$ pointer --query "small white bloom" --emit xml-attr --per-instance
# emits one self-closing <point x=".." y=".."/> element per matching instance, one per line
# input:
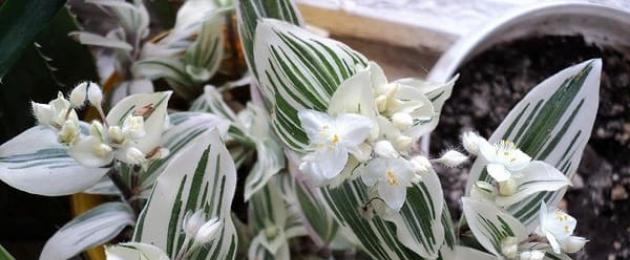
<point x="452" y="158"/>
<point x="558" y="228"/>
<point x="79" y="94"/>
<point x="403" y="142"/>
<point x="69" y="132"/>
<point x="402" y="120"/>
<point x="192" y="222"/>
<point x="532" y="255"/>
<point x="391" y="176"/>
<point x="134" y="156"/>
<point x="133" y="127"/>
<point x="208" y="231"/>
<point x="503" y="159"/>
<point x="509" y="247"/>
<point x="420" y="164"/>
<point x="385" y="149"/>
<point x="471" y="141"/>
<point x="332" y="139"/>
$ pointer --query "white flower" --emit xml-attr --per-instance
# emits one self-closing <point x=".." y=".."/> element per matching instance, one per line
<point x="55" y="113"/>
<point x="134" y="156"/>
<point x="532" y="255"/>
<point x="332" y="139"/>
<point x="208" y="231"/>
<point x="133" y="127"/>
<point x="391" y="176"/>
<point x="509" y="247"/>
<point x="558" y="228"/>
<point x="452" y="158"/>
<point x="471" y="141"/>
<point x="385" y="149"/>
<point x="503" y="159"/>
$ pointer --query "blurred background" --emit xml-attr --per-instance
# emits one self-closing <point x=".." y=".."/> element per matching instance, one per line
<point x="500" y="49"/>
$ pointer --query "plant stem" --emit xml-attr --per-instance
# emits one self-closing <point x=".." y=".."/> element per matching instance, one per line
<point x="120" y="184"/>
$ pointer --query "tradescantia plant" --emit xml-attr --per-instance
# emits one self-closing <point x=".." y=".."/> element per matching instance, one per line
<point x="327" y="148"/>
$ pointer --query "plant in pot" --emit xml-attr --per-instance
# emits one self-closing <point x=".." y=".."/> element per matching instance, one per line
<point x="328" y="150"/>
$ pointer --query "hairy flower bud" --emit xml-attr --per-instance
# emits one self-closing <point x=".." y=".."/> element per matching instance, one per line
<point x="532" y="255"/>
<point x="208" y="231"/>
<point x="470" y="140"/>
<point x="452" y="158"/>
<point x="79" y="94"/>
<point x="94" y="94"/>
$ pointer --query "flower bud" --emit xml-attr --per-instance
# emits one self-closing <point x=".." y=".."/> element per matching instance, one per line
<point x="208" y="231"/>
<point x="452" y="158"/>
<point x="420" y="164"/>
<point x="115" y="134"/>
<point x="68" y="133"/>
<point x="385" y="149"/>
<point x="134" y="156"/>
<point x="271" y="232"/>
<point x="79" y="94"/>
<point x="470" y="141"/>
<point x="381" y="103"/>
<point x="133" y="127"/>
<point x="157" y="153"/>
<point x="102" y="150"/>
<point x="96" y="129"/>
<point x="574" y="244"/>
<point x="509" y="247"/>
<point x="193" y="222"/>
<point x="94" y="94"/>
<point x="507" y="187"/>
<point x="403" y="142"/>
<point x="532" y="255"/>
<point x="402" y="120"/>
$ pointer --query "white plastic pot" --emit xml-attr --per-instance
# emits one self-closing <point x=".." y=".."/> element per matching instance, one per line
<point x="601" y="25"/>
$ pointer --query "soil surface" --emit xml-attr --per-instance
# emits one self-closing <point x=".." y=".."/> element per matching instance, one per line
<point x="491" y="83"/>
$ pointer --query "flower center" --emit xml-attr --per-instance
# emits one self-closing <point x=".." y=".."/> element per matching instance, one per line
<point x="505" y="149"/>
<point x="392" y="179"/>
<point x="334" y="139"/>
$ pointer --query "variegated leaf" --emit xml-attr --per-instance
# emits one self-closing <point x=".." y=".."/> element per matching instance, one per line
<point x="490" y="225"/>
<point x="90" y="229"/>
<point x="299" y="70"/>
<point x="250" y="12"/>
<point x="154" y="122"/>
<point x="135" y="251"/>
<point x="200" y="177"/>
<point x="205" y="54"/>
<point x="415" y="232"/>
<point x="318" y="219"/>
<point x="551" y="124"/>
<point x="36" y="162"/>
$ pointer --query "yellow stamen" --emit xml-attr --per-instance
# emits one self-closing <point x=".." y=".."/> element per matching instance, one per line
<point x="392" y="179"/>
<point x="335" y="139"/>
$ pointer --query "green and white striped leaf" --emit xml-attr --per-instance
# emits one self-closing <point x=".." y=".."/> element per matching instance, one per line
<point x="272" y="221"/>
<point x="186" y="127"/>
<point x="299" y="70"/>
<point x="154" y="123"/>
<point x="415" y="232"/>
<point x="4" y="254"/>
<point x="250" y="12"/>
<point x="552" y="124"/>
<point x="468" y="253"/>
<point x="200" y="177"/>
<point x="135" y="251"/>
<point x="320" y="221"/>
<point x="205" y="54"/>
<point x="35" y="162"/>
<point x="171" y="69"/>
<point x="490" y="225"/>
<point x="93" y="228"/>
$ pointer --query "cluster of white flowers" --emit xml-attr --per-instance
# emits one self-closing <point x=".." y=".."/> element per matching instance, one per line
<point x="372" y="138"/>
<point x="96" y="144"/>
<point x="515" y="176"/>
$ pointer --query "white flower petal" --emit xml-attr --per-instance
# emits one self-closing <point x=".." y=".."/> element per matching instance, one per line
<point x="327" y="163"/>
<point x="553" y="242"/>
<point x="393" y="195"/>
<point x="574" y="244"/>
<point x="312" y="122"/>
<point x="520" y="161"/>
<point x="373" y="172"/>
<point x="536" y="177"/>
<point x="498" y="172"/>
<point x="353" y="129"/>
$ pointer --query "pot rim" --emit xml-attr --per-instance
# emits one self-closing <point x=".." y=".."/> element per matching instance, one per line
<point x="473" y="43"/>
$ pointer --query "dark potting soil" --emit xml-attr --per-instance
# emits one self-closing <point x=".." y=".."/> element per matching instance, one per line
<point x="491" y="83"/>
